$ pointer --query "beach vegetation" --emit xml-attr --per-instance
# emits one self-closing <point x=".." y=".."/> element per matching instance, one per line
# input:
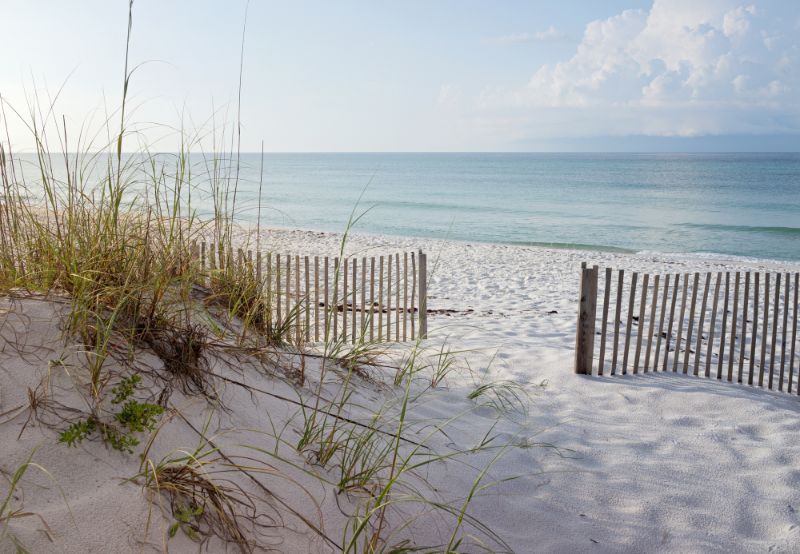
<point x="114" y="234"/>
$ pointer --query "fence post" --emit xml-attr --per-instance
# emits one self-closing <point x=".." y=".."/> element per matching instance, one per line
<point x="587" y="312"/>
<point x="423" y="295"/>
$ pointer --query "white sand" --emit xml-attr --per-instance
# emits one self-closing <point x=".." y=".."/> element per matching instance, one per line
<point x="642" y="463"/>
<point x="659" y="462"/>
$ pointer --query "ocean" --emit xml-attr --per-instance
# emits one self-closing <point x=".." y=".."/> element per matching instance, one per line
<point x="706" y="204"/>
<point x="731" y="205"/>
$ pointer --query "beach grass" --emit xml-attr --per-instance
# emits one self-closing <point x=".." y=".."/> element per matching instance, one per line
<point x="115" y="240"/>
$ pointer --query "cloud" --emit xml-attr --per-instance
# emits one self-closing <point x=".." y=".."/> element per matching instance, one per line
<point x="681" y="68"/>
<point x="449" y="94"/>
<point x="551" y="34"/>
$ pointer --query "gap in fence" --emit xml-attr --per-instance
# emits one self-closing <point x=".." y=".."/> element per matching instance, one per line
<point x="736" y="326"/>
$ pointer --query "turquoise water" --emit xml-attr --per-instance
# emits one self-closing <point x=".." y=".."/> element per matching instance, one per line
<point x="729" y="204"/>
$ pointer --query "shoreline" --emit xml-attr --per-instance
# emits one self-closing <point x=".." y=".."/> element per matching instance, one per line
<point x="591" y="251"/>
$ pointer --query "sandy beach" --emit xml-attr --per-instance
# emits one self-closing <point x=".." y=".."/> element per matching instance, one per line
<point x="187" y="366"/>
<point x="657" y="462"/>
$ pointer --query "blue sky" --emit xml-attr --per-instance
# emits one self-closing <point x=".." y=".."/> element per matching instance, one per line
<point x="424" y="75"/>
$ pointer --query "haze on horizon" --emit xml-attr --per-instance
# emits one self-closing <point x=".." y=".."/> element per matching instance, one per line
<point x="621" y="75"/>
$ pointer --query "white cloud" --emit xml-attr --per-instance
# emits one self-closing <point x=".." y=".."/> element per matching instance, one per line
<point x="551" y="34"/>
<point x="736" y="22"/>
<point x="681" y="68"/>
<point x="449" y="94"/>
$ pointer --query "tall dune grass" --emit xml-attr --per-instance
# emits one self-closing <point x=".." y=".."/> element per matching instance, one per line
<point x="113" y="226"/>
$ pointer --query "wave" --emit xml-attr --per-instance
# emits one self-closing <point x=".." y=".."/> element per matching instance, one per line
<point x="771" y="230"/>
<point x="718" y="256"/>
<point x="571" y="246"/>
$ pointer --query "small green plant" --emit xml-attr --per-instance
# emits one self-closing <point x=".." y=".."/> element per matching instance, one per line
<point x="445" y="363"/>
<point x="202" y="504"/>
<point x="186" y="517"/>
<point x="503" y="396"/>
<point x="78" y="431"/>
<point x="125" y="389"/>
<point x="138" y="417"/>
<point x="134" y="417"/>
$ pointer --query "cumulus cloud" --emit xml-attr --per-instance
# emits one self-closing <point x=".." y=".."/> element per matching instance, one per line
<point x="681" y="68"/>
<point x="551" y="34"/>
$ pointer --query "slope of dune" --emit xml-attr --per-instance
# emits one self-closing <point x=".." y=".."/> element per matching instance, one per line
<point x="652" y="462"/>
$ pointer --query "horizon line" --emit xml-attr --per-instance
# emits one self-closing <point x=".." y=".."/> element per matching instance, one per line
<point x="258" y="152"/>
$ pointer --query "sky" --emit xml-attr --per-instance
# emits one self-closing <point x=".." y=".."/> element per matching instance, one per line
<point x="419" y="76"/>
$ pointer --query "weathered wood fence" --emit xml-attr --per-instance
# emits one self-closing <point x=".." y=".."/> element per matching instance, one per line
<point x="350" y="299"/>
<point x="734" y="326"/>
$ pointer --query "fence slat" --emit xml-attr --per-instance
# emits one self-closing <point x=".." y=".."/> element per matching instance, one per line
<point x="640" y="327"/>
<point x="414" y="315"/>
<point x="334" y="308"/>
<point x="397" y="299"/>
<point x="270" y="301"/>
<point x="259" y="273"/>
<point x="316" y="298"/>
<point x="722" y="335"/>
<point x="372" y="298"/>
<point x="775" y="312"/>
<point x="423" y="295"/>
<point x="755" y="329"/>
<point x="363" y="330"/>
<point x="307" y="299"/>
<point x="783" y="331"/>
<point x="628" y="329"/>
<point x="698" y="347"/>
<point x="298" y="298"/>
<point x="652" y="322"/>
<point x="278" y="288"/>
<point x="203" y="263"/>
<point x="405" y="296"/>
<point x="713" y="324"/>
<point x="345" y="297"/>
<point x="682" y="315"/>
<point x="732" y="350"/>
<point x="584" y="339"/>
<point x="675" y="286"/>
<point x="764" y="331"/>
<point x="380" y="298"/>
<point x="617" y="315"/>
<point x="794" y="334"/>
<point x="389" y="298"/>
<point x="355" y="301"/>
<point x="690" y="326"/>
<point x="604" y="324"/>
<point x="743" y="338"/>
<point x="290" y="316"/>
<point x="661" y="318"/>
<point x="326" y="310"/>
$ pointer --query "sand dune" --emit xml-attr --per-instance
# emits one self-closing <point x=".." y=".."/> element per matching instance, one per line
<point x="646" y="463"/>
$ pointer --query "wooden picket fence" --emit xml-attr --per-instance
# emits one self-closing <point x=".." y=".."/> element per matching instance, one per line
<point x="736" y="326"/>
<point x="381" y="298"/>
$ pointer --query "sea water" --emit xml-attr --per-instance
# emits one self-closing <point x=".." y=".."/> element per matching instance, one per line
<point x="702" y="204"/>
<point x="727" y="204"/>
